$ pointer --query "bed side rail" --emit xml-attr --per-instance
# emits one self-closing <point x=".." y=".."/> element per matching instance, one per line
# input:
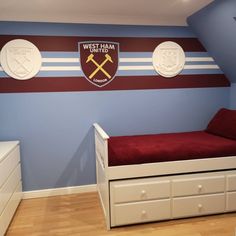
<point x="101" y="145"/>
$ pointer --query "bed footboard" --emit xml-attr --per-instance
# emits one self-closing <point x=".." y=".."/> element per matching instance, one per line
<point x="101" y="151"/>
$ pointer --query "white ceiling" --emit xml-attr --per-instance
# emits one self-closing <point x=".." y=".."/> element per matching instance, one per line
<point x="132" y="12"/>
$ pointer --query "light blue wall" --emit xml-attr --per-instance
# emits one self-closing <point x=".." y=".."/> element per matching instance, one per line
<point x="55" y="129"/>
<point x="215" y="27"/>
<point x="233" y="96"/>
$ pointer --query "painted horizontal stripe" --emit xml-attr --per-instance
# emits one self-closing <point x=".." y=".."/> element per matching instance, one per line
<point x="125" y="55"/>
<point x="60" y="68"/>
<point x="133" y="73"/>
<point x="152" y="68"/>
<point x="154" y="73"/>
<point x="138" y="54"/>
<point x="130" y="59"/>
<point x="57" y="54"/>
<point x="130" y="63"/>
<point x="63" y="84"/>
<point x="135" y="63"/>
<point x="200" y="63"/>
<point x="75" y="63"/>
<point x="135" y="54"/>
<point x="136" y="67"/>
<point x="60" y="64"/>
<point x="133" y="67"/>
<point x="201" y="72"/>
<point x="70" y="44"/>
<point x="56" y="74"/>
<point x="146" y="59"/>
<point x="196" y="67"/>
<point x="135" y="59"/>
<point x="68" y="60"/>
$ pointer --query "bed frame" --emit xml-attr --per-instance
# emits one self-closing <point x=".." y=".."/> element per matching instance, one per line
<point x="154" y="191"/>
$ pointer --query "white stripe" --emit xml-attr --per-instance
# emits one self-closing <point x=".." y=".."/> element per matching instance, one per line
<point x="60" y="59"/>
<point x="60" y="68"/>
<point x="78" y="68"/>
<point x="135" y="59"/>
<point x="124" y="59"/>
<point x="194" y="67"/>
<point x="150" y="59"/>
<point x="136" y="68"/>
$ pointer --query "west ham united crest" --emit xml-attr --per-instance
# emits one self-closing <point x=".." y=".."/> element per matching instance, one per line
<point x="99" y="61"/>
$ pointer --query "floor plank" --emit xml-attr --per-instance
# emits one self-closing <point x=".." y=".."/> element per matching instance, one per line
<point x="81" y="215"/>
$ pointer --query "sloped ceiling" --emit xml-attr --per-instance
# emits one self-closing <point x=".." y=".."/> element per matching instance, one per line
<point x="215" y="26"/>
<point x="133" y="12"/>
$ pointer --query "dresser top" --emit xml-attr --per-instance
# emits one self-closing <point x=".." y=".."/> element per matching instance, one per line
<point x="6" y="147"/>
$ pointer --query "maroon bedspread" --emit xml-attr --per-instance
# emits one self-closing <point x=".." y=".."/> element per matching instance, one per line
<point x="127" y="150"/>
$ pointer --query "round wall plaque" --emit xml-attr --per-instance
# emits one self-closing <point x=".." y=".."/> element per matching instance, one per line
<point x="168" y="59"/>
<point x="20" y="59"/>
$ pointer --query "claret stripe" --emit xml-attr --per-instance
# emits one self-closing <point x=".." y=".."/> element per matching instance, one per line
<point x="70" y="44"/>
<point x="63" y="84"/>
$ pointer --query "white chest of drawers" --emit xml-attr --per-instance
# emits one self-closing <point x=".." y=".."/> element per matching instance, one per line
<point x="10" y="182"/>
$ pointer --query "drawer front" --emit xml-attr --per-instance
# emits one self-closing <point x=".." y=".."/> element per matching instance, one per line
<point x="8" y="188"/>
<point x="199" y="205"/>
<point x="231" y="201"/>
<point x="139" y="190"/>
<point x="140" y="212"/>
<point x="231" y="183"/>
<point x="198" y="186"/>
<point x="9" y="164"/>
<point x="7" y="214"/>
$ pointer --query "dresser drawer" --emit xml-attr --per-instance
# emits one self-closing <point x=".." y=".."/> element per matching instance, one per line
<point x="139" y="190"/>
<point x="8" y="188"/>
<point x="198" y="205"/>
<point x="231" y="183"/>
<point x="9" y="164"/>
<point x="198" y="186"/>
<point x="139" y="212"/>
<point x="231" y="201"/>
<point x="9" y="210"/>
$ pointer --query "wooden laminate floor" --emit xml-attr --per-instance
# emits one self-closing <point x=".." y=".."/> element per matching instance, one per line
<point x="81" y="214"/>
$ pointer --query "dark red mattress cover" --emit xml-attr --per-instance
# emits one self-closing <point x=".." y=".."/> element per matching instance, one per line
<point x="128" y="150"/>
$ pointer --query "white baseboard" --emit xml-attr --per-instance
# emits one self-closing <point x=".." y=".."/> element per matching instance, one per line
<point x="59" y="191"/>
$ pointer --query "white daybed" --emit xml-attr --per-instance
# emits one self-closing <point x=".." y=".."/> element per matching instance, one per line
<point x="149" y="192"/>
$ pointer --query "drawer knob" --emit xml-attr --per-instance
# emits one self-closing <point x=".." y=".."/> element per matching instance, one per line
<point x="143" y="192"/>
<point x="200" y="187"/>
<point x="144" y="213"/>
<point x="199" y="207"/>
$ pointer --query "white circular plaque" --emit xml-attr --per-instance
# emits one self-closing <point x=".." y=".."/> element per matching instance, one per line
<point x="168" y="59"/>
<point x="20" y="59"/>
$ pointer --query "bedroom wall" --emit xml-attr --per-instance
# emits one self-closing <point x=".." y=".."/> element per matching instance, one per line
<point x="55" y="129"/>
<point x="215" y="27"/>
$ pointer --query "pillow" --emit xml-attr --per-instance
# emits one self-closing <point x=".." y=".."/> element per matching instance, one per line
<point x="223" y="124"/>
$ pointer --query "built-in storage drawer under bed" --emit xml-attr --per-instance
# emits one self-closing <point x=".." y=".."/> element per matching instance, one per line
<point x="160" y="198"/>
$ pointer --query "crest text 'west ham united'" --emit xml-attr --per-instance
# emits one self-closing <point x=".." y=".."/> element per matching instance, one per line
<point x="99" y="61"/>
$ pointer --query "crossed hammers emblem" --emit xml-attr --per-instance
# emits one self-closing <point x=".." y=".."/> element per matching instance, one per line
<point x="99" y="66"/>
